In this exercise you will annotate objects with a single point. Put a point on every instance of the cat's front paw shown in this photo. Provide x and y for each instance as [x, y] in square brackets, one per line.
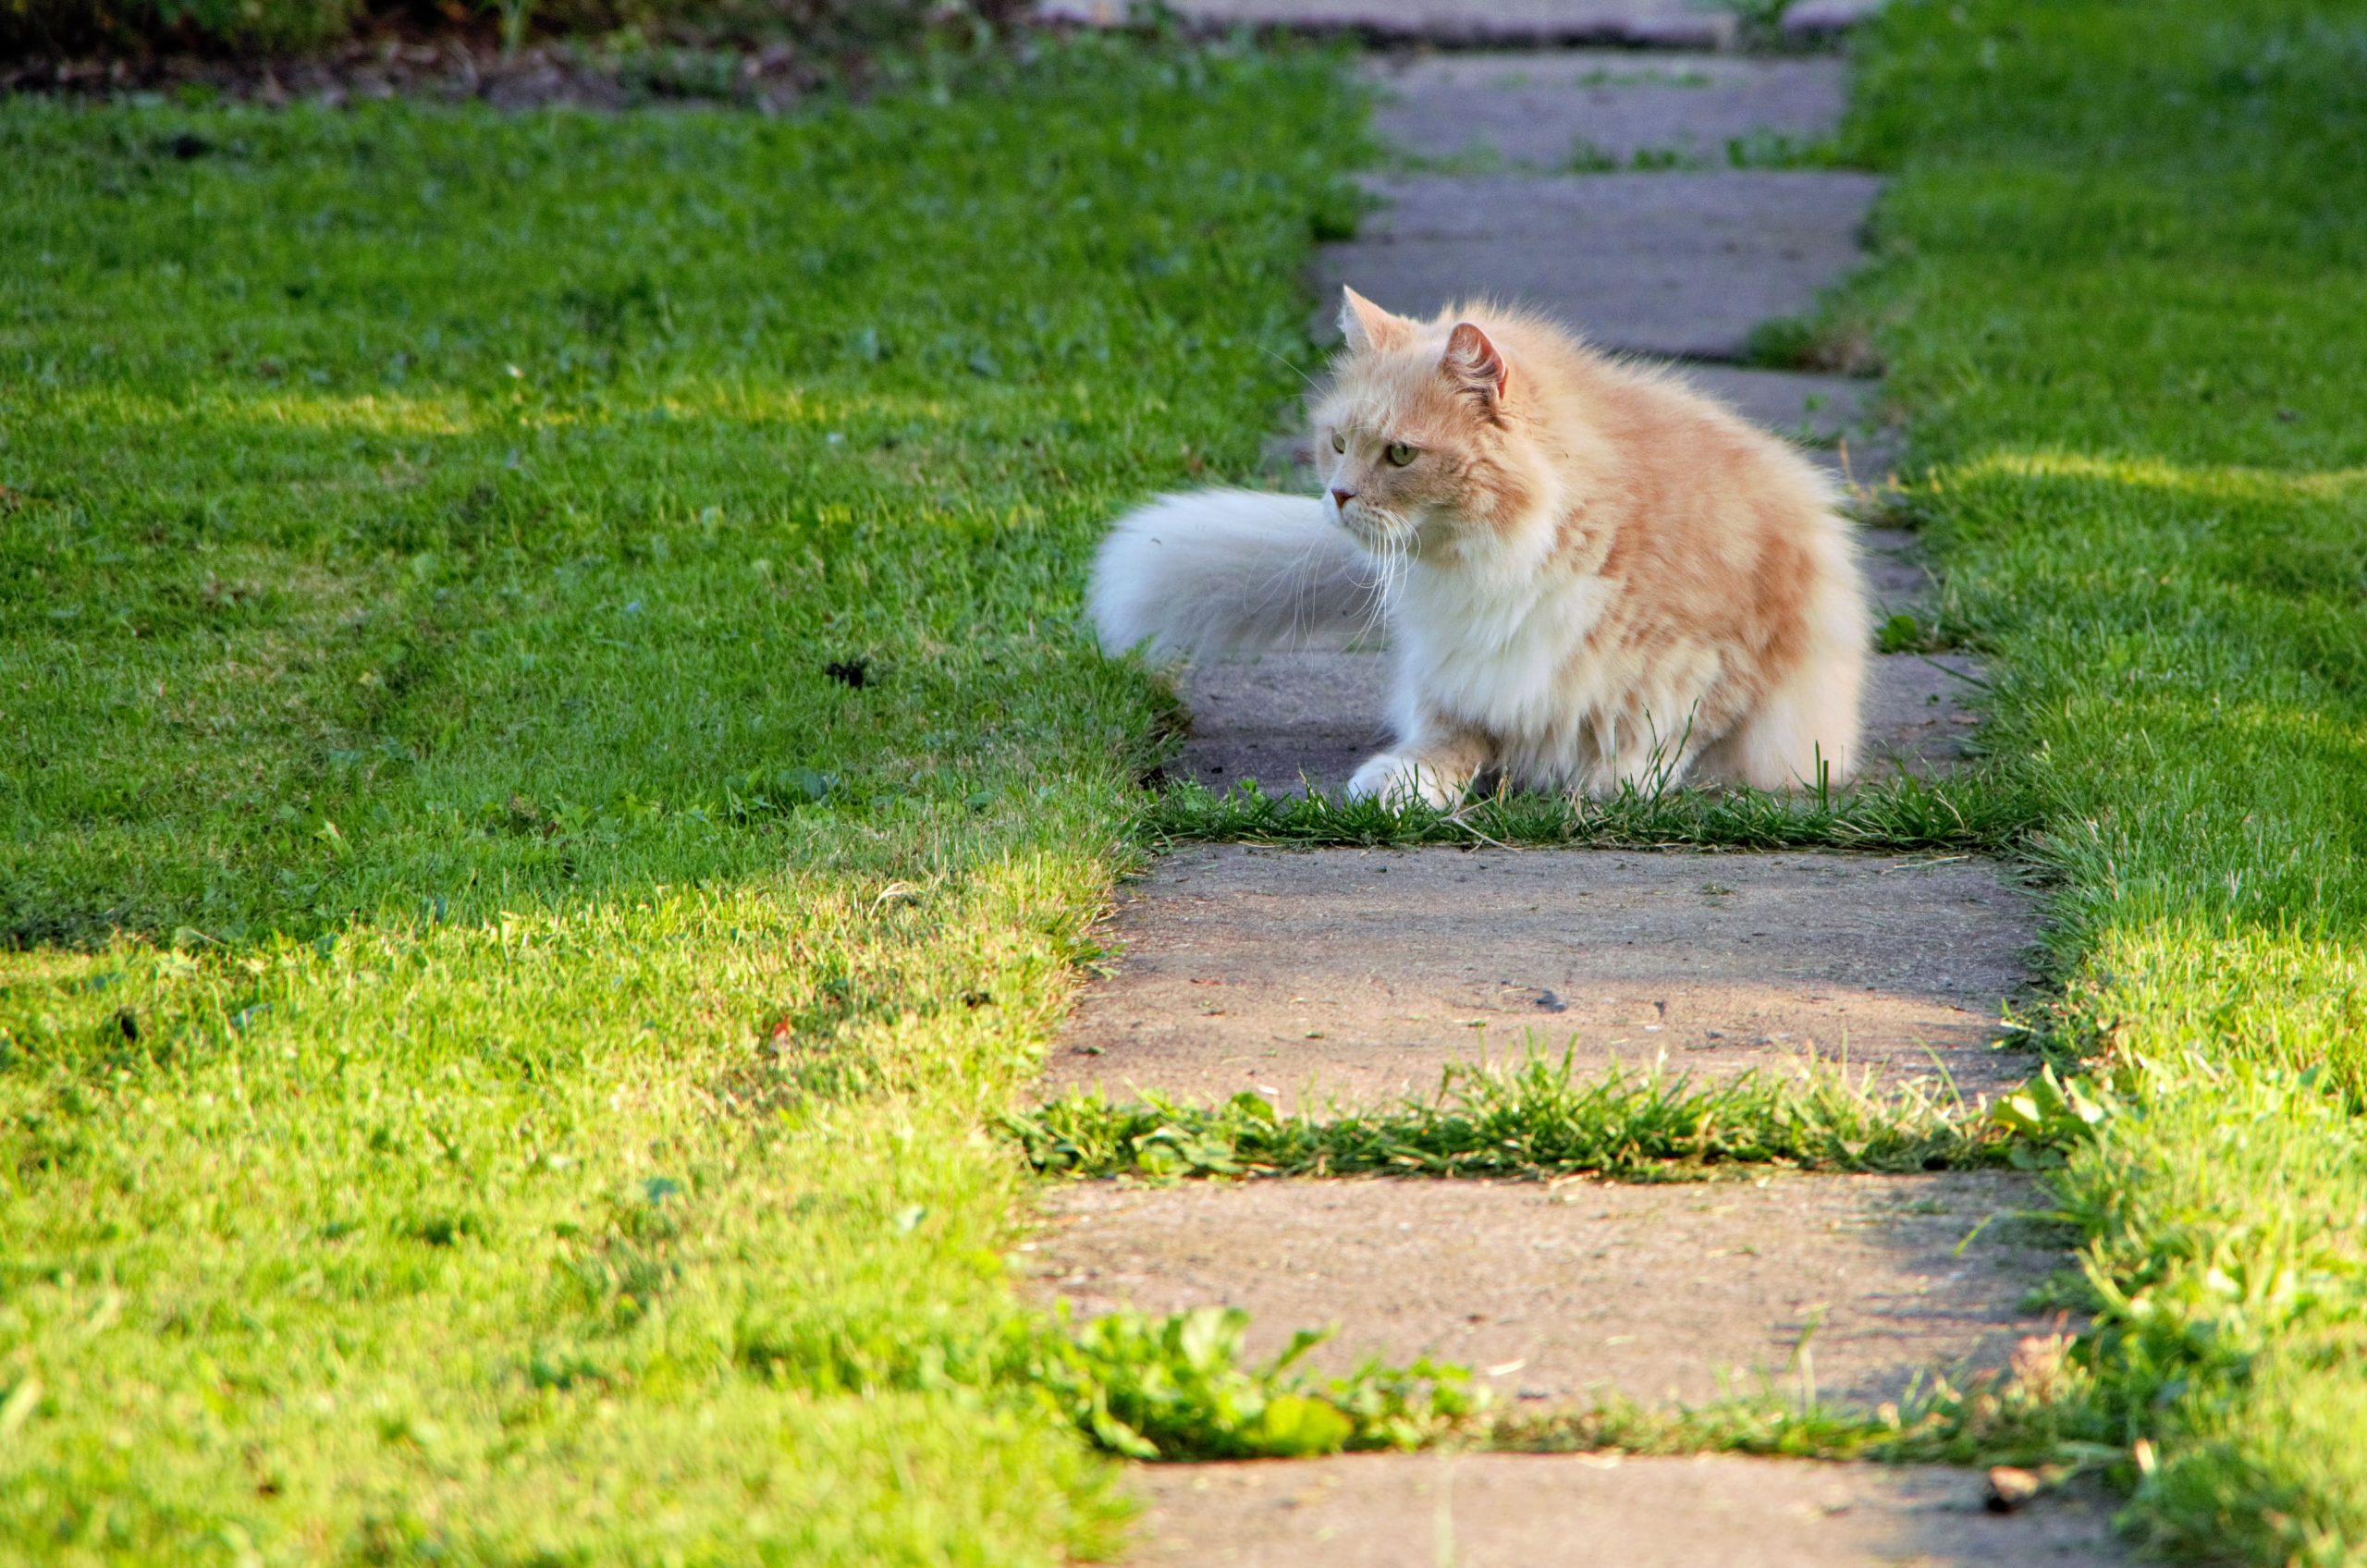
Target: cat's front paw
[1399, 781]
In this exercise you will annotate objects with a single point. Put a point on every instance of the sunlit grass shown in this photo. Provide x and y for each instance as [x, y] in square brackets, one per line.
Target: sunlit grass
[1534, 1117]
[555, 795]
[2126, 309]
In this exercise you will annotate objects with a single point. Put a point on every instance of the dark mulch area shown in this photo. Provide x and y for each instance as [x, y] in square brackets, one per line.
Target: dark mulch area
[459, 68]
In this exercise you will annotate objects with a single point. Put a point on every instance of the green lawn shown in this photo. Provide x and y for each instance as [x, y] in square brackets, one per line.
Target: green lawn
[497, 1041]
[2126, 301]
[500, 1049]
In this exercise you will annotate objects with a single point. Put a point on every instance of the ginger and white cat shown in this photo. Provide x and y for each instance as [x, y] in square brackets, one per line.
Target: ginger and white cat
[1590, 575]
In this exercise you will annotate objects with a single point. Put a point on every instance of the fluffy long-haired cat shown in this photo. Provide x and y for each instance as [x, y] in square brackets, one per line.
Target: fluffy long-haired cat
[1590, 575]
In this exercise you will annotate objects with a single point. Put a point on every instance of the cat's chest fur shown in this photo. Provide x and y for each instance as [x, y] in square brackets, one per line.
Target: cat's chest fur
[1495, 650]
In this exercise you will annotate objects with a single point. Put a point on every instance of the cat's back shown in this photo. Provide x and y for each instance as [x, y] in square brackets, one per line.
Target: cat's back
[1673, 435]
[1666, 438]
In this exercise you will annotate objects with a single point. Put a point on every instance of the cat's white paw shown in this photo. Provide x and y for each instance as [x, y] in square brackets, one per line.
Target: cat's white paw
[1399, 781]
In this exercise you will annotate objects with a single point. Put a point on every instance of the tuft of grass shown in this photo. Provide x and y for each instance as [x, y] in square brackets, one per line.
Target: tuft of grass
[1905, 632]
[1774, 150]
[1178, 1387]
[1765, 150]
[1965, 810]
[1835, 341]
[1538, 1117]
[2039, 1412]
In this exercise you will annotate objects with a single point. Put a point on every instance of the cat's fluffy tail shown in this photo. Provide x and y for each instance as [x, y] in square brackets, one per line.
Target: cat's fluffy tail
[1231, 572]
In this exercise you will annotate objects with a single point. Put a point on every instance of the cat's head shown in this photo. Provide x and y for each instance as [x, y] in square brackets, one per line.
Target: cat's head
[1416, 435]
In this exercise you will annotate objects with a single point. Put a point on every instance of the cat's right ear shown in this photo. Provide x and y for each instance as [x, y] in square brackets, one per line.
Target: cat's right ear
[1366, 325]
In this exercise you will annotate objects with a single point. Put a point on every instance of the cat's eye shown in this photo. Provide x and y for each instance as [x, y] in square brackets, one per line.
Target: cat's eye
[1339, 441]
[1399, 454]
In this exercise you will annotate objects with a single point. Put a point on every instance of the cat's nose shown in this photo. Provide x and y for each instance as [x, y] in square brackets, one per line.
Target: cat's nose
[1341, 497]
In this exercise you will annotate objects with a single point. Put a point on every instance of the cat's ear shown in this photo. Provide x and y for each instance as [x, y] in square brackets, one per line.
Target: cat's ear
[1473, 364]
[1367, 326]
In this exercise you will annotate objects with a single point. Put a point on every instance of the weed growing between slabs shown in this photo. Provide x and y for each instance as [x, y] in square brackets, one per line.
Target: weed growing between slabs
[1539, 1118]
[1180, 1388]
[1974, 812]
[2126, 299]
[2037, 1413]
[555, 793]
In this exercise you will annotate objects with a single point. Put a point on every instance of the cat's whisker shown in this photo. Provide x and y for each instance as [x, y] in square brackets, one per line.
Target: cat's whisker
[1286, 363]
[1284, 583]
[1393, 565]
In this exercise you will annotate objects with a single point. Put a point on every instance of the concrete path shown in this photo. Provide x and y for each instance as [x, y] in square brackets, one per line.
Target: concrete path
[1530, 1511]
[1357, 976]
[1549, 112]
[1557, 1295]
[1676, 264]
[1345, 977]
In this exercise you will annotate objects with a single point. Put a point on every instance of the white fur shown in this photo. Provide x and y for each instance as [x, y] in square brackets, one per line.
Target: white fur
[1401, 780]
[1231, 572]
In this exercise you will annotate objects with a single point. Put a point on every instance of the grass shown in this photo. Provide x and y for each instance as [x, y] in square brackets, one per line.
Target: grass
[2123, 296]
[2036, 1416]
[1534, 1118]
[1968, 810]
[555, 793]
[1180, 1388]
[499, 1043]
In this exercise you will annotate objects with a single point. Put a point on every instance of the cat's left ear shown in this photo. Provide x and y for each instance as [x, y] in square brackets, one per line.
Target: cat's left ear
[1473, 364]
[1367, 326]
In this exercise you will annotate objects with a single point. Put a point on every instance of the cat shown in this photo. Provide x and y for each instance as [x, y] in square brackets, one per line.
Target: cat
[1591, 576]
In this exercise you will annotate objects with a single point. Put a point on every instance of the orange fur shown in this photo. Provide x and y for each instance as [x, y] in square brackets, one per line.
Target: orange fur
[1598, 577]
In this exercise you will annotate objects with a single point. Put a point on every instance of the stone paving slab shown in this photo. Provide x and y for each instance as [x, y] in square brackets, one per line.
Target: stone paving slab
[1573, 110]
[1682, 24]
[1287, 720]
[1545, 1510]
[1292, 719]
[1559, 1296]
[1917, 720]
[1896, 578]
[1682, 264]
[1357, 975]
